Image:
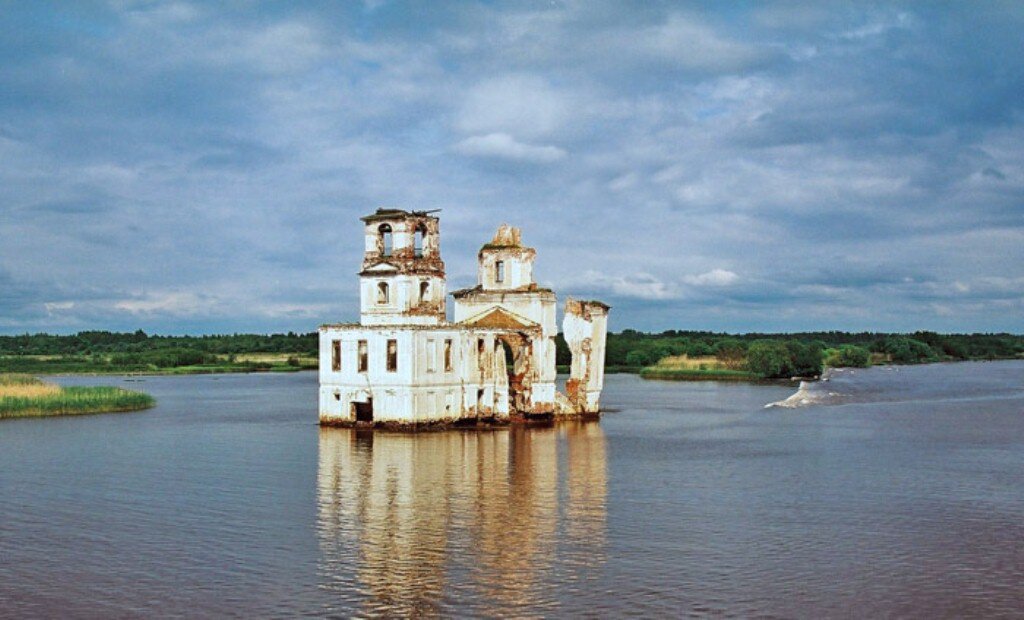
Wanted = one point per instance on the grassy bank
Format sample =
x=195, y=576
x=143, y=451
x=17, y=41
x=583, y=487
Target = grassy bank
x=696, y=374
x=699, y=368
x=23, y=396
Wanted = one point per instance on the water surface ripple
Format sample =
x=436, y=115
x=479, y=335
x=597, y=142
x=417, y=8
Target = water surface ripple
x=905, y=498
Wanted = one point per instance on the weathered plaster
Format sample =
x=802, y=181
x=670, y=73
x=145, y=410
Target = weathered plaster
x=453, y=372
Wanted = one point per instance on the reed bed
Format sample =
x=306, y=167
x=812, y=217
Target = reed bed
x=27, y=396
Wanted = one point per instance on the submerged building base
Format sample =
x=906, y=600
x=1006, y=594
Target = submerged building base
x=469, y=424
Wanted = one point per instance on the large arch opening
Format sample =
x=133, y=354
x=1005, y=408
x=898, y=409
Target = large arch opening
x=517, y=347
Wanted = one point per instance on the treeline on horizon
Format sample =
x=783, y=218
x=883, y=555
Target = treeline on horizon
x=765, y=354
x=771, y=355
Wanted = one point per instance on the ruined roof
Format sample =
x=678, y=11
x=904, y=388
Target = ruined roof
x=392, y=214
x=499, y=318
x=479, y=290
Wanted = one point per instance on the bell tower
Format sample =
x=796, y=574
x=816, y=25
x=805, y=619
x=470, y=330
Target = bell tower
x=402, y=280
x=505, y=264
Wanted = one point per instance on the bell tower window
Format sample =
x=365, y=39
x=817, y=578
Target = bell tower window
x=386, y=240
x=424, y=292
x=382, y=293
x=418, y=238
x=499, y=271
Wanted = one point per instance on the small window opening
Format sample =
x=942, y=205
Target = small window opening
x=382, y=292
x=364, y=357
x=499, y=271
x=448, y=355
x=386, y=239
x=336, y=355
x=418, y=238
x=337, y=396
x=424, y=292
x=392, y=355
x=480, y=353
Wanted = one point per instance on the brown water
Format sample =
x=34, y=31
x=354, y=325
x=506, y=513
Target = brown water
x=904, y=499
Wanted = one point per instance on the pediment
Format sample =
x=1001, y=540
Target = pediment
x=380, y=268
x=499, y=318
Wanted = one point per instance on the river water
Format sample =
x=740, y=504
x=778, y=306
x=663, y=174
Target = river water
x=902, y=497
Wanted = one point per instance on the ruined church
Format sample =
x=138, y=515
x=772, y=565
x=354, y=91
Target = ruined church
x=405, y=365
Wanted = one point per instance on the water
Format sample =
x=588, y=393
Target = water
x=904, y=499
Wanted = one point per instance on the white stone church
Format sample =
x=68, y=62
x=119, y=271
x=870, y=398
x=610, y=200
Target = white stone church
x=405, y=365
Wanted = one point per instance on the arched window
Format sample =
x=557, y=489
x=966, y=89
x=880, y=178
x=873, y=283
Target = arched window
x=424, y=291
x=420, y=236
x=499, y=271
x=386, y=242
x=382, y=292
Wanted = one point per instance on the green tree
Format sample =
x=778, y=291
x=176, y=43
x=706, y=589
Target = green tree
x=848, y=356
x=769, y=358
x=805, y=358
x=638, y=357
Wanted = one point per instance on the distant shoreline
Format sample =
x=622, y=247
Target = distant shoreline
x=655, y=374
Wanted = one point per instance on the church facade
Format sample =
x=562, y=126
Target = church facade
x=406, y=365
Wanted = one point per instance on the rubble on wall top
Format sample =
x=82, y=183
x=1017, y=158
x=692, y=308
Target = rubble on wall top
x=506, y=237
x=391, y=214
x=582, y=306
x=479, y=290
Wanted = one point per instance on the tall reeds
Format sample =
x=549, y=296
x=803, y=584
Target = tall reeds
x=26, y=396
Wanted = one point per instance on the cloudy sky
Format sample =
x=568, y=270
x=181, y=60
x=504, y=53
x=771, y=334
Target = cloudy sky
x=192, y=167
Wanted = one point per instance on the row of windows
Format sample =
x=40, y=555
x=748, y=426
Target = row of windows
x=363, y=356
x=384, y=292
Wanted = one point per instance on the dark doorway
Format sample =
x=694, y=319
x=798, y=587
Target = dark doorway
x=364, y=411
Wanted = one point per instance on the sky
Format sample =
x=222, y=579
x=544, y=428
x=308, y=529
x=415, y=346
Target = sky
x=201, y=167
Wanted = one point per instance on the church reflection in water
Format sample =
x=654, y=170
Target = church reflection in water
x=486, y=522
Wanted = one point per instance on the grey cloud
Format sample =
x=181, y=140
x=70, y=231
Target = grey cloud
x=207, y=165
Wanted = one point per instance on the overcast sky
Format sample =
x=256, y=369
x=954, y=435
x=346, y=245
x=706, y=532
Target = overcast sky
x=200, y=168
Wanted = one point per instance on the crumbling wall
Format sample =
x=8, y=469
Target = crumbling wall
x=585, y=328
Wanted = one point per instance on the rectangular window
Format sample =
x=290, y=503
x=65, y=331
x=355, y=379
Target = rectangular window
x=448, y=355
x=499, y=271
x=431, y=355
x=480, y=353
x=364, y=357
x=392, y=355
x=336, y=356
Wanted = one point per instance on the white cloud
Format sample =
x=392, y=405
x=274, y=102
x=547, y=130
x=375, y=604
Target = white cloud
x=690, y=43
x=715, y=277
x=55, y=307
x=638, y=285
x=170, y=303
x=521, y=105
x=881, y=26
x=623, y=182
x=504, y=146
